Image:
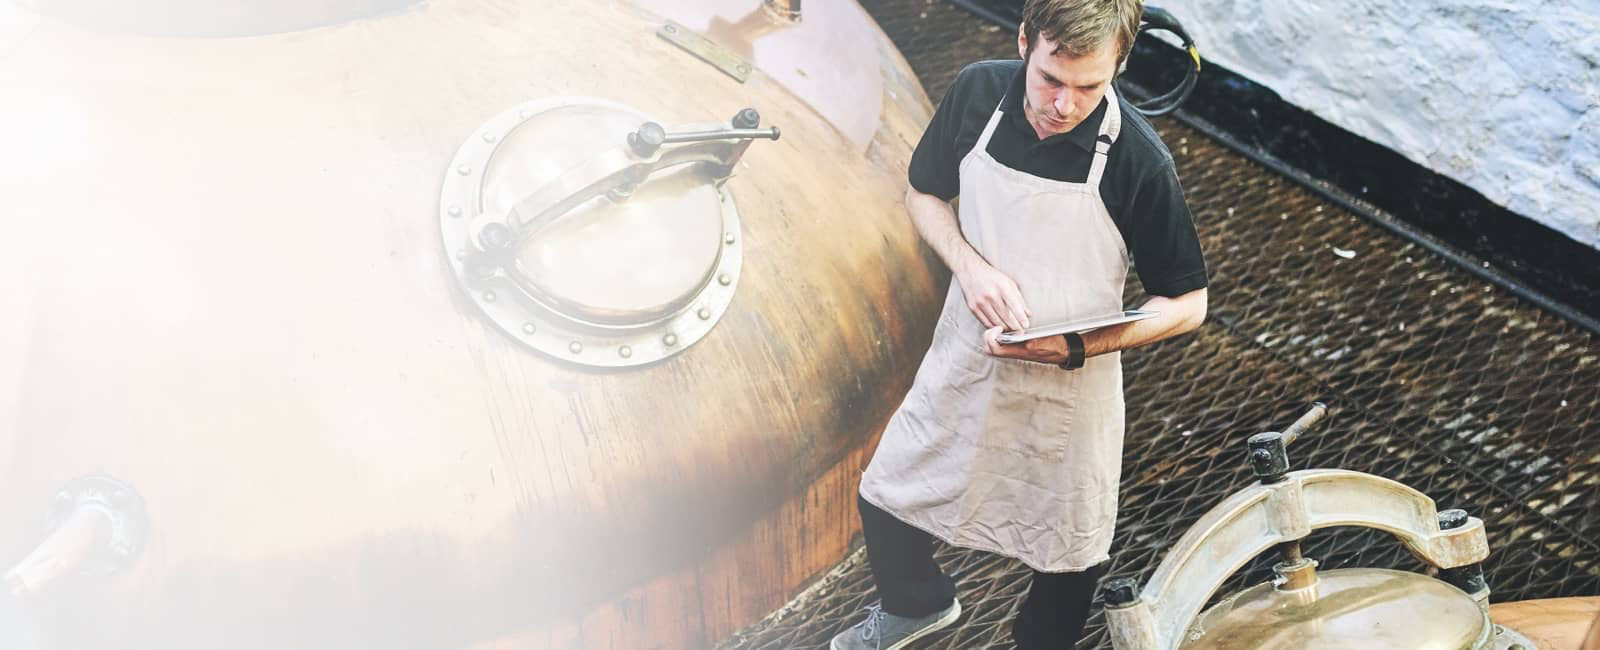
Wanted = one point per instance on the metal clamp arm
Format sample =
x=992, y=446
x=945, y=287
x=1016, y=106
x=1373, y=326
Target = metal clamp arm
x=1261, y=516
x=615, y=172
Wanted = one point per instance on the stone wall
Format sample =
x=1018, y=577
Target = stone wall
x=1501, y=95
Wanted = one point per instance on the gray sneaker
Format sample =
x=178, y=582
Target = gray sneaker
x=885, y=631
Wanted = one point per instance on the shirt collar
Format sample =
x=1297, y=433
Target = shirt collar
x=1082, y=135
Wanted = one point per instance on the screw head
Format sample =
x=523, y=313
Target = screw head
x=488, y=296
x=704, y=314
x=648, y=138
x=1121, y=591
x=1452, y=519
x=575, y=347
x=454, y=211
x=495, y=235
x=724, y=279
x=488, y=137
x=625, y=351
x=728, y=238
x=670, y=339
x=464, y=170
x=746, y=118
x=529, y=328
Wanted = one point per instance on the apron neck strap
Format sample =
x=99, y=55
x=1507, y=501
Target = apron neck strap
x=988, y=129
x=1110, y=126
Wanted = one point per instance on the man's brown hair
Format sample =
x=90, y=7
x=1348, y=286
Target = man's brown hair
x=1079, y=26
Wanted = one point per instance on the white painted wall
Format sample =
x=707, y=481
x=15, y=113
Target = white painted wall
x=1501, y=95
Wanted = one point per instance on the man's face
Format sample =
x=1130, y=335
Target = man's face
x=1063, y=89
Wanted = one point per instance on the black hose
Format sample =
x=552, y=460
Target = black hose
x=1156, y=18
x=986, y=13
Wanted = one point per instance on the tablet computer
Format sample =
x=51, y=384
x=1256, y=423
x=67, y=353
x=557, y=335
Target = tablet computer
x=1079, y=326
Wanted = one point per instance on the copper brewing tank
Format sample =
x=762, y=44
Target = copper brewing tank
x=253, y=392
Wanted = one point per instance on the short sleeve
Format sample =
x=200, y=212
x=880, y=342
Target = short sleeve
x=935, y=167
x=1165, y=248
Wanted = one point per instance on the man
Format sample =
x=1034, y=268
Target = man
x=1016, y=449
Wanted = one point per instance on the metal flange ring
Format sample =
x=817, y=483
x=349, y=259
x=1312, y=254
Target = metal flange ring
x=553, y=320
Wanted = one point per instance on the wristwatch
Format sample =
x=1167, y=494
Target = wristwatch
x=1074, y=352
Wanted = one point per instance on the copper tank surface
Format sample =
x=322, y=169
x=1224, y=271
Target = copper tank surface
x=1554, y=623
x=269, y=377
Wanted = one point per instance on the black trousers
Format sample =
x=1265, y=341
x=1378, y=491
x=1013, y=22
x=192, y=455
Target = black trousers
x=910, y=583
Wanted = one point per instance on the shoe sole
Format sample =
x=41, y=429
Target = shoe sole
x=942, y=623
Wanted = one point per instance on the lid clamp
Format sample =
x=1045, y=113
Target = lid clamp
x=615, y=173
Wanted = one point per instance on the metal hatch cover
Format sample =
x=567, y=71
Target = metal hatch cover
x=587, y=232
x=1347, y=608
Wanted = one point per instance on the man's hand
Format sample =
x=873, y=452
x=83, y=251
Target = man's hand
x=1050, y=349
x=993, y=297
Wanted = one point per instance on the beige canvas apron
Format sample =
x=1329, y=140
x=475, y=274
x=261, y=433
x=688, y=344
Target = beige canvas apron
x=1010, y=456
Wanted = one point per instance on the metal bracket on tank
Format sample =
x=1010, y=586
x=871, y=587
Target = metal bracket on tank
x=1506, y=638
x=706, y=50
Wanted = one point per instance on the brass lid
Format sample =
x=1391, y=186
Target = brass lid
x=601, y=268
x=1346, y=609
x=608, y=261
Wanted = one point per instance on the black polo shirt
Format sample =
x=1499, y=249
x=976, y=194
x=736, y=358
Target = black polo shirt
x=1140, y=184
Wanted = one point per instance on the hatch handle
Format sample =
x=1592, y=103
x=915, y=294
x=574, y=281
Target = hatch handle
x=1310, y=419
x=1269, y=451
x=616, y=172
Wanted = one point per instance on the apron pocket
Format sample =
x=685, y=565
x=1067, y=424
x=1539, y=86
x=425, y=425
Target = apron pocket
x=1031, y=411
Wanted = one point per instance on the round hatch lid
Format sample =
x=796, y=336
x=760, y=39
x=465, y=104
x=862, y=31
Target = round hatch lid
x=584, y=247
x=1347, y=608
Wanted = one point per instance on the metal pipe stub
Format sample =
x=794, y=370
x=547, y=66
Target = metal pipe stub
x=1295, y=576
x=788, y=10
x=98, y=527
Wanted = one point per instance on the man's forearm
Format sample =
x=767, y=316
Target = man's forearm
x=936, y=222
x=1178, y=315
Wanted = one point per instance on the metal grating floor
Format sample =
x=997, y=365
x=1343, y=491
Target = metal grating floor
x=1433, y=377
